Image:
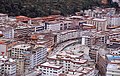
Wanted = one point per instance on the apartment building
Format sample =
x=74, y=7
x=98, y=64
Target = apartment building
x=46, y=39
x=18, y=53
x=28, y=56
x=59, y=25
x=70, y=64
x=77, y=21
x=100, y=24
x=3, y=17
x=40, y=28
x=19, y=50
x=50, y=69
x=67, y=35
x=66, y=24
x=100, y=12
x=7, y=66
x=23, y=30
x=113, y=21
x=93, y=37
x=87, y=71
x=34, y=73
x=38, y=55
x=7, y=31
x=114, y=37
x=6, y=46
x=54, y=25
x=113, y=67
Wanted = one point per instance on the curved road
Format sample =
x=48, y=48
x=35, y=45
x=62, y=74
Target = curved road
x=61, y=46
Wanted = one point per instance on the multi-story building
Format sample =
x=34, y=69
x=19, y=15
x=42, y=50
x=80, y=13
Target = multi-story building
x=62, y=24
x=67, y=35
x=28, y=56
x=54, y=25
x=19, y=50
x=18, y=53
x=50, y=69
x=7, y=66
x=69, y=64
x=38, y=56
x=24, y=29
x=113, y=67
x=100, y=24
x=6, y=46
x=92, y=38
x=113, y=21
x=34, y=73
x=3, y=17
x=46, y=39
x=100, y=12
x=7, y=32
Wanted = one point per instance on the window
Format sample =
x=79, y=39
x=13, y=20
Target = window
x=50, y=68
x=55, y=72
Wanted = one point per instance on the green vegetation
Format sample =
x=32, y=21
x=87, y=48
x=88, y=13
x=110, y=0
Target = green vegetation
x=35, y=8
x=112, y=4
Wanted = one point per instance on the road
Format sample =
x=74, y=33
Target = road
x=61, y=46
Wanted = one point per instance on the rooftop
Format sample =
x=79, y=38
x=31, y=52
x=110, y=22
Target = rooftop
x=22, y=46
x=113, y=46
x=51, y=65
x=98, y=19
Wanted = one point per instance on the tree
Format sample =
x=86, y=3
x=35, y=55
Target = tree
x=35, y=8
x=115, y=5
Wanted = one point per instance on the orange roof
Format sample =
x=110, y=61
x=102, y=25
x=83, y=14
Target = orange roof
x=52, y=17
x=21, y=17
x=1, y=42
x=34, y=37
x=113, y=27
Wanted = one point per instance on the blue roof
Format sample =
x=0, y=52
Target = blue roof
x=112, y=57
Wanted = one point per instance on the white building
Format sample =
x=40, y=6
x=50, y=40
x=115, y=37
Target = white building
x=3, y=17
x=113, y=67
x=8, y=32
x=59, y=25
x=50, y=69
x=113, y=20
x=18, y=52
x=28, y=56
x=67, y=35
x=53, y=25
x=94, y=37
x=69, y=64
x=6, y=46
x=38, y=56
x=7, y=66
x=100, y=24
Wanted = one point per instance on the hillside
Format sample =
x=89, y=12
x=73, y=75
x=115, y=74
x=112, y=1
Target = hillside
x=35, y=8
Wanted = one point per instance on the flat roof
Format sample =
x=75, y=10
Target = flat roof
x=22, y=46
x=113, y=58
x=88, y=24
x=67, y=31
x=51, y=65
x=114, y=46
x=98, y=19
